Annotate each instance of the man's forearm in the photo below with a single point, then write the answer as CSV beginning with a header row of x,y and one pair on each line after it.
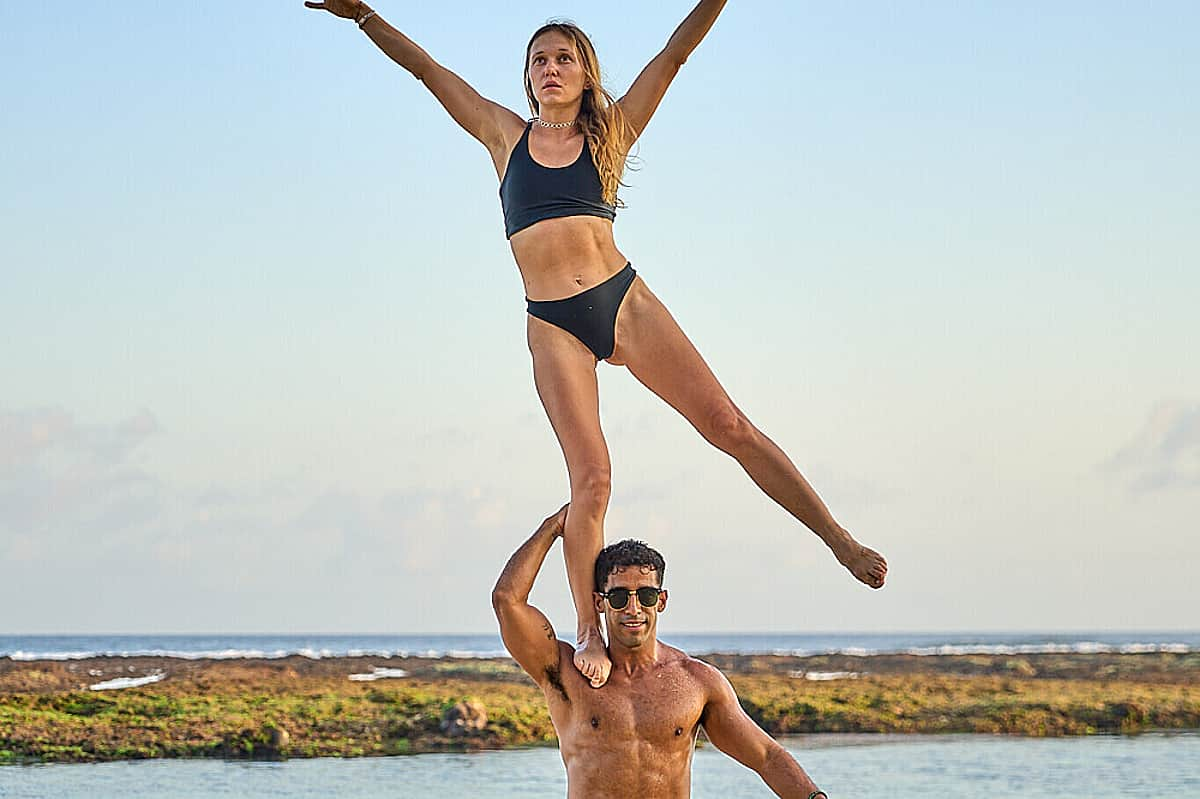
x,y
693,29
784,775
516,581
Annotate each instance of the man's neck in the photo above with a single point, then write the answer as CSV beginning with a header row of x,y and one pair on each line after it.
x,y
632,660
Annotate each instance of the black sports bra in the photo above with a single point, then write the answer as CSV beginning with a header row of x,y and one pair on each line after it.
x,y
531,192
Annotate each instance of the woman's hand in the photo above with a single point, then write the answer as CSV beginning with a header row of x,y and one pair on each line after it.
x,y
347,9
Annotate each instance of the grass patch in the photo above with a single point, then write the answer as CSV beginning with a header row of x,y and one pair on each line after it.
x,y
325,715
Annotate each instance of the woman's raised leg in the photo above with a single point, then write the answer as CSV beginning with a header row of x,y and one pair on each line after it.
x,y
657,352
564,371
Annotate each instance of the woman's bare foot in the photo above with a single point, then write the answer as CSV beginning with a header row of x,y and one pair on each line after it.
x,y
867,565
591,658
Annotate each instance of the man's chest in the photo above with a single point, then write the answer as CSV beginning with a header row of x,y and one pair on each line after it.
x,y
658,712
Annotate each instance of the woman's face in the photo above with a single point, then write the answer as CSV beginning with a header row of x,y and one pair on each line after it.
x,y
555,71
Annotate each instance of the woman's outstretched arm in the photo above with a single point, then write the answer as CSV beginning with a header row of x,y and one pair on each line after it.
x,y
482,118
647,91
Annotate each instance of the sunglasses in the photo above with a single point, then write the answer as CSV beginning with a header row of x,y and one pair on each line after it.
x,y
647,596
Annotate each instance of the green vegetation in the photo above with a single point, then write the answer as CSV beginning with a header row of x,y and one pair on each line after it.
x,y
967,704
267,710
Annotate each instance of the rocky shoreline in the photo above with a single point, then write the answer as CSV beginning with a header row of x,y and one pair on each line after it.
x,y
348,707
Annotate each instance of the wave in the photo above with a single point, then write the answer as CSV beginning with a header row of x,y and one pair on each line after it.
x,y
1083,648
696,648
254,654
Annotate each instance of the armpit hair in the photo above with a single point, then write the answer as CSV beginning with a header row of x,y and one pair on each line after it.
x,y
554,677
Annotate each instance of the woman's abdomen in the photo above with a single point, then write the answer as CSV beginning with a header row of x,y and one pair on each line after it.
x,y
561,257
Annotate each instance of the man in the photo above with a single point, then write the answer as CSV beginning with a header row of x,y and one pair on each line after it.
x,y
635,736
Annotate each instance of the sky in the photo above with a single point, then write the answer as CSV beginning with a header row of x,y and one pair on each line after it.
x,y
262,358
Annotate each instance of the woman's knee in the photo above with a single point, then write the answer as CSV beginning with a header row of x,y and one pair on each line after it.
x,y
591,488
728,429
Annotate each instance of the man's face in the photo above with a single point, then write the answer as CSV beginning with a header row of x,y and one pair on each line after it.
x,y
633,625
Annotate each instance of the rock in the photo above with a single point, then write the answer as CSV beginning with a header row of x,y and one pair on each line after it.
x,y
464,718
277,737
1021,666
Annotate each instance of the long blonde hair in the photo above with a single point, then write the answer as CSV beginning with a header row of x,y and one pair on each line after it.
x,y
605,128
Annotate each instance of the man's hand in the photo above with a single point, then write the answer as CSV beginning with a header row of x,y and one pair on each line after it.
x,y
346,9
556,523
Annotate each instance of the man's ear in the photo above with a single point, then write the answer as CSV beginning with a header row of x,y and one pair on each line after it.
x,y
598,598
662,601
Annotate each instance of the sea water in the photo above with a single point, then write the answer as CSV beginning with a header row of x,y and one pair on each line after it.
x,y
317,645
1161,765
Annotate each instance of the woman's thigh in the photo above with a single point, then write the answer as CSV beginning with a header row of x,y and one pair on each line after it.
x,y
659,354
564,371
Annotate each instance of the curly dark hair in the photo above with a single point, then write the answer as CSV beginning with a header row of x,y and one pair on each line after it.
x,y
628,553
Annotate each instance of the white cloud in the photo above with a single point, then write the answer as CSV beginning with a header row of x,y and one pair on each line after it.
x,y
79,506
65,482
28,435
24,435
1165,453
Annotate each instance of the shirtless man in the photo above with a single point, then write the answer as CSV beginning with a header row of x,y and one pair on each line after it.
x,y
635,736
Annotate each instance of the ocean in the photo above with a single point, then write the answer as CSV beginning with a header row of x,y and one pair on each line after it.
x,y
321,645
1163,766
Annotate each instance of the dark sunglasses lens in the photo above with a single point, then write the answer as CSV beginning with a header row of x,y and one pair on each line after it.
x,y
648,597
618,598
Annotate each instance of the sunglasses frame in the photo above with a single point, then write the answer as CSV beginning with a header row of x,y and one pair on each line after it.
x,y
632,593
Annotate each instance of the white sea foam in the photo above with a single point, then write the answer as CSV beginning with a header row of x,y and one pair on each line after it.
x,y
127,682
1077,648
824,676
254,654
1141,649
379,673
856,651
760,646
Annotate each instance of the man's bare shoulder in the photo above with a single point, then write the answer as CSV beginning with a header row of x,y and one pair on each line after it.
x,y
704,673
707,673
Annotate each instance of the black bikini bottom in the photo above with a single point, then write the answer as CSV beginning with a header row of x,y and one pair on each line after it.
x,y
591,315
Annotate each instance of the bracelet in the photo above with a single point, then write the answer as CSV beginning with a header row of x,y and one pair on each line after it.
x,y
815,794
363,19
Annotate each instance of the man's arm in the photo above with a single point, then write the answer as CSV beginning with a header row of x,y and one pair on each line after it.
x,y
526,631
736,734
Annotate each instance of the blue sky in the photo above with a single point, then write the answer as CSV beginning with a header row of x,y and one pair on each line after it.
x,y
262,337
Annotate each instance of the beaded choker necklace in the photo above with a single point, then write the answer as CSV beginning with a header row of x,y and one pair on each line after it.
x,y
546,124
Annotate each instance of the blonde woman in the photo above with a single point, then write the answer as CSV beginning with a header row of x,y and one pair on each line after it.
x,y
559,174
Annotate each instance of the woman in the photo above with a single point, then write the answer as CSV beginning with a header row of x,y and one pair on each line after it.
x,y
559,174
